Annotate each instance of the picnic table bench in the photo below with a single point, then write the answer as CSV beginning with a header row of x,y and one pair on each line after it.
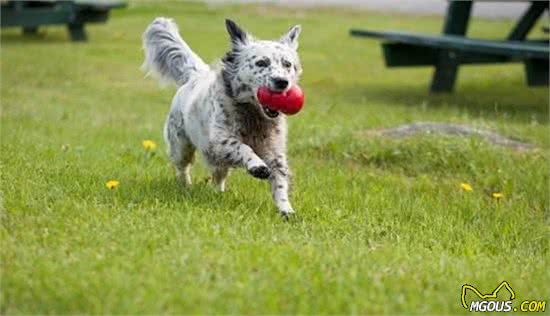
x,y
75,14
448,51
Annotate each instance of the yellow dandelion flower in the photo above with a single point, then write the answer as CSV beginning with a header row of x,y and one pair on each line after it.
x,y
466,187
498,195
149,145
112,184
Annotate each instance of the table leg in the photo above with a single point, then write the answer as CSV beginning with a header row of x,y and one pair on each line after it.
x,y
30,30
528,20
446,68
77,32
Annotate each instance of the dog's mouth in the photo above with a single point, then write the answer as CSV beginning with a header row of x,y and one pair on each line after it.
x,y
270,113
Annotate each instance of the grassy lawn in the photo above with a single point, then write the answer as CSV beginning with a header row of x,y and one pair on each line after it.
x,y
383,226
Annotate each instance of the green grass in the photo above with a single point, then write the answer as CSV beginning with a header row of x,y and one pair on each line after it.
x,y
383,225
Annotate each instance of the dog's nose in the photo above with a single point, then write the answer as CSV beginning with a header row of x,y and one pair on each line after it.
x,y
280,83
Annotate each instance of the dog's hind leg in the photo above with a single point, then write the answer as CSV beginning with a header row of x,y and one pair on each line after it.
x,y
183,162
181,152
219,175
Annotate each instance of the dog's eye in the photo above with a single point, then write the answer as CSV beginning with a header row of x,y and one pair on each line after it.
x,y
286,64
263,62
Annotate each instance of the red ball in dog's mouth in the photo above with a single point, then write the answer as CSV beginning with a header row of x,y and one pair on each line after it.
x,y
289,102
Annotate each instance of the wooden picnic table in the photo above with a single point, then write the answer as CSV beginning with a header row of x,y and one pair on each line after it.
x,y
30,15
448,51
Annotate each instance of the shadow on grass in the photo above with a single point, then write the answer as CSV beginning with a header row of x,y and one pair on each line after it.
x,y
167,192
12,37
513,98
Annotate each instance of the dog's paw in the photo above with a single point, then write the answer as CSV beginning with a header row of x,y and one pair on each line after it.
x,y
260,171
287,213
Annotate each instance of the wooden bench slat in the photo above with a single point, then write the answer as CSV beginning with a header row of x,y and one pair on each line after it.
x,y
36,17
408,55
101,4
459,43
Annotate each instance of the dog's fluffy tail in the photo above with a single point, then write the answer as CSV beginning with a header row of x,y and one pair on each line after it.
x,y
167,56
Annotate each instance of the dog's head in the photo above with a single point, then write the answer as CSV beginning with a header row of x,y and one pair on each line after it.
x,y
251,64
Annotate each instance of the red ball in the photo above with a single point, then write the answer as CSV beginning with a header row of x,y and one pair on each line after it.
x,y
264,96
289,102
294,100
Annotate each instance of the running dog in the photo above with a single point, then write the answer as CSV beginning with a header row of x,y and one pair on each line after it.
x,y
216,110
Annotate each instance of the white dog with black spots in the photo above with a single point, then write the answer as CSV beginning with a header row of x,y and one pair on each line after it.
x,y
216,110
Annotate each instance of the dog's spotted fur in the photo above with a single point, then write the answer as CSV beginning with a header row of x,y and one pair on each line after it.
x,y
215,109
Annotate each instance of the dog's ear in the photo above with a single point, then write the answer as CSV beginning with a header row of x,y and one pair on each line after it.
x,y
291,38
237,35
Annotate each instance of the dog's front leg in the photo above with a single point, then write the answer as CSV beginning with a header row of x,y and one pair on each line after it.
x,y
230,151
280,185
